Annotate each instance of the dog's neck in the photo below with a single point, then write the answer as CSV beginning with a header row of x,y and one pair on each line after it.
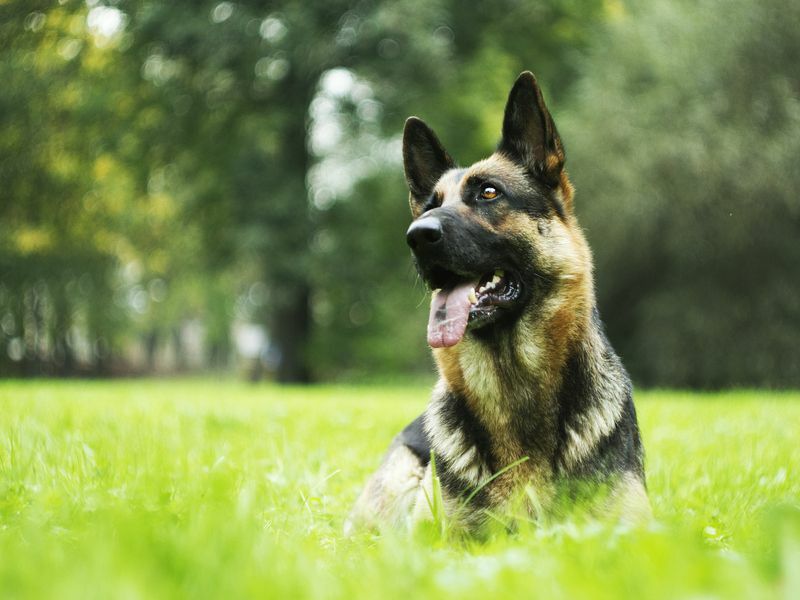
x,y
527,363
527,390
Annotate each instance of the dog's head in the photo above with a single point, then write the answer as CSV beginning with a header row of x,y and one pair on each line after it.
x,y
495,240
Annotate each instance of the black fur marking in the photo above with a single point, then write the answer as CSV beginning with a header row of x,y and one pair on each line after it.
x,y
467,250
619,450
454,414
458,414
537,204
529,134
433,201
416,439
424,158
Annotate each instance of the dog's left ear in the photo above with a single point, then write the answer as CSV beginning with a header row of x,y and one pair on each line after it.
x,y
529,134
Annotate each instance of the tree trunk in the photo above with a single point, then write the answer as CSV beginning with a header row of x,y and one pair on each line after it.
x,y
63,356
150,348
288,267
180,351
291,331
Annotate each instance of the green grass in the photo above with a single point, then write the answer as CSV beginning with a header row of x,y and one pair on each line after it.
x,y
147,489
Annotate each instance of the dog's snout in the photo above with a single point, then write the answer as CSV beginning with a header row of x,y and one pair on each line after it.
x,y
424,233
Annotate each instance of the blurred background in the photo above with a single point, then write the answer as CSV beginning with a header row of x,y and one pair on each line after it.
x,y
191,186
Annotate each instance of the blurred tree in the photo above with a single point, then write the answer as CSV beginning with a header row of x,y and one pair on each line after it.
x,y
92,237
236,81
684,142
56,238
149,147
167,162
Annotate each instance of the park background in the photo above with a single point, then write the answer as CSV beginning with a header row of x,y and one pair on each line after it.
x,y
198,194
217,186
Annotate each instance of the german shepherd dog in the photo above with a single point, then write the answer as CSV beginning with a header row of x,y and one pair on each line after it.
x,y
527,376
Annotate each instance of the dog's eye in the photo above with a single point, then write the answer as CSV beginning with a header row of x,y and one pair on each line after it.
x,y
489,192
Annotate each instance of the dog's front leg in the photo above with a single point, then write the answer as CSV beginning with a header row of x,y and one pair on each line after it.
x,y
390,494
435,504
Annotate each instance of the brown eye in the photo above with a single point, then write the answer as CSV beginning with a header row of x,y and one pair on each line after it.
x,y
489,192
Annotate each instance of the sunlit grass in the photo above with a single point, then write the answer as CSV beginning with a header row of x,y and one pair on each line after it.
x,y
217,489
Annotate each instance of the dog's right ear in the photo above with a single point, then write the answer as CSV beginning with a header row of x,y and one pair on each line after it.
x,y
425,161
529,134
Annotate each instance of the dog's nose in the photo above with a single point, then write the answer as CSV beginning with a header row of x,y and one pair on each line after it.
x,y
424,233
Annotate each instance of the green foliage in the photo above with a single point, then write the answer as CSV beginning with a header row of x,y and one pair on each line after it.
x,y
94,247
56,239
211,489
162,171
683,140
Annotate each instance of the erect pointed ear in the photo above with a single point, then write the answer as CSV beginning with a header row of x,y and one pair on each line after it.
x,y
424,159
529,134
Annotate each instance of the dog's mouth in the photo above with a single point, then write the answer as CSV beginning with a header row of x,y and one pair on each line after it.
x,y
460,303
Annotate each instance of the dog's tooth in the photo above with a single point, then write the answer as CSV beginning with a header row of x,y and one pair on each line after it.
x,y
500,273
473,299
482,289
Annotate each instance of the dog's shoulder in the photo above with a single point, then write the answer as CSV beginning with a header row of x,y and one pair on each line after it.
x,y
416,439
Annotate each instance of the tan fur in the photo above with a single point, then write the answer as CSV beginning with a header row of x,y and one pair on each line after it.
x,y
553,162
565,189
628,502
501,167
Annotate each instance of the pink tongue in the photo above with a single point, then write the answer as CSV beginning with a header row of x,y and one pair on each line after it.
x,y
449,315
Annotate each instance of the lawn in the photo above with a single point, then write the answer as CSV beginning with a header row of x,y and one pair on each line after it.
x,y
202,488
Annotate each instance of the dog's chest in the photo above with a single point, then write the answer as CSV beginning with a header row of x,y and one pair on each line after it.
x,y
478,448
